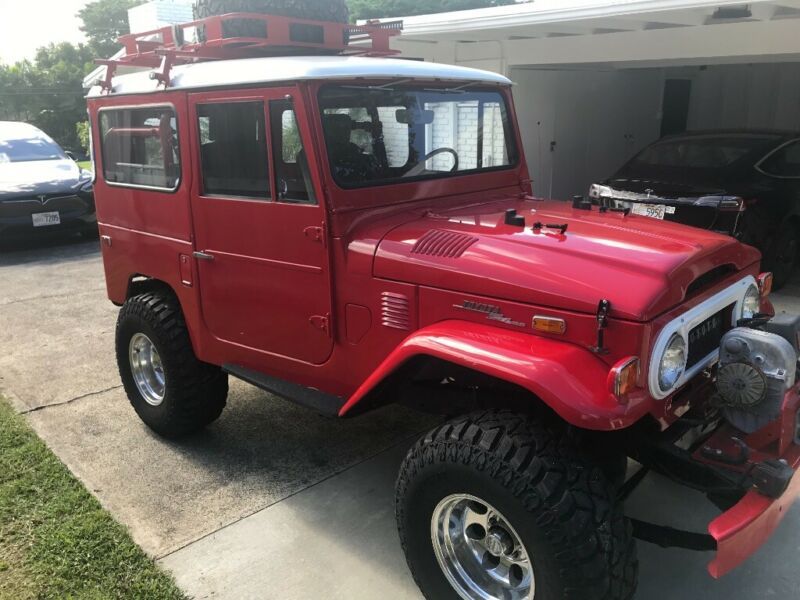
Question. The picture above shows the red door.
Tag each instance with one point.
(263, 268)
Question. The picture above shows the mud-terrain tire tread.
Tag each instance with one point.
(196, 392)
(533, 459)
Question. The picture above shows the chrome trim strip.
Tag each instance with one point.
(760, 169)
(36, 200)
(682, 325)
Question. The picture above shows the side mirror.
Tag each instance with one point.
(70, 155)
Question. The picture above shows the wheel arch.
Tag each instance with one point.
(537, 365)
(139, 283)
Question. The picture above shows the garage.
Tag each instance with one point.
(597, 81)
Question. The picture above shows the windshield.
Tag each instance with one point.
(701, 152)
(29, 149)
(378, 136)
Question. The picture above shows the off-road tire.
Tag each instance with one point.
(782, 255)
(195, 392)
(562, 506)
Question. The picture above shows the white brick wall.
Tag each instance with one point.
(455, 125)
(395, 136)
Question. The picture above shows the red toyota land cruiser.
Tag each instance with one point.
(347, 230)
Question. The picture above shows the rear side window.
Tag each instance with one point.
(140, 147)
(784, 163)
(233, 149)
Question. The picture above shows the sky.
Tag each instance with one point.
(26, 25)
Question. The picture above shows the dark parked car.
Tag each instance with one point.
(744, 183)
(41, 188)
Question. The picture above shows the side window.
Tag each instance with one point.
(233, 149)
(292, 173)
(785, 162)
(140, 147)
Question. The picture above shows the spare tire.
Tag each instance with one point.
(330, 10)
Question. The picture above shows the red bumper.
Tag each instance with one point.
(742, 530)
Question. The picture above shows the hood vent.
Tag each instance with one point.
(708, 279)
(394, 311)
(448, 244)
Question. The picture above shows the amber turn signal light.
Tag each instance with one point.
(624, 376)
(549, 324)
(765, 284)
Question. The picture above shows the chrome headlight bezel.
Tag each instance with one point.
(733, 296)
(673, 358)
(751, 303)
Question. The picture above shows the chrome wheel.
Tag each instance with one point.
(479, 551)
(146, 368)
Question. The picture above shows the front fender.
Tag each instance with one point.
(568, 378)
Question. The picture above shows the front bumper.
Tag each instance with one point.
(742, 529)
(76, 213)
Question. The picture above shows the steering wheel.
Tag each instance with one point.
(420, 166)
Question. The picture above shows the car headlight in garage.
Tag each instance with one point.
(672, 364)
(751, 303)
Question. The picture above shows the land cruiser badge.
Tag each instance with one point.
(492, 312)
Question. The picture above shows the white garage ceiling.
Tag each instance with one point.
(621, 33)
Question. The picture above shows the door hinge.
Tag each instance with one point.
(315, 233)
(321, 322)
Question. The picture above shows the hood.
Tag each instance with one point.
(642, 265)
(24, 179)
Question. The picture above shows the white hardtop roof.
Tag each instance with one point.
(225, 73)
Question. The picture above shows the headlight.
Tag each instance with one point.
(751, 305)
(673, 362)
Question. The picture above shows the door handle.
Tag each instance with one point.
(203, 256)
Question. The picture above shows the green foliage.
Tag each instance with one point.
(82, 131)
(372, 9)
(103, 22)
(56, 541)
(47, 91)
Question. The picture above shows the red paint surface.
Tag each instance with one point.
(744, 528)
(260, 303)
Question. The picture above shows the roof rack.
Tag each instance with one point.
(268, 35)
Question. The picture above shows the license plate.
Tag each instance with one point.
(46, 218)
(655, 211)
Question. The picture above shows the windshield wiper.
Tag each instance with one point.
(456, 90)
(386, 87)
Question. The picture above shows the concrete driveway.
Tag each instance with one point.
(271, 501)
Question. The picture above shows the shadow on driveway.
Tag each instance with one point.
(47, 250)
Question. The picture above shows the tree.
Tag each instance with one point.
(48, 91)
(83, 132)
(103, 22)
(372, 9)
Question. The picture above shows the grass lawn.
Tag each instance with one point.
(55, 539)
(85, 164)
